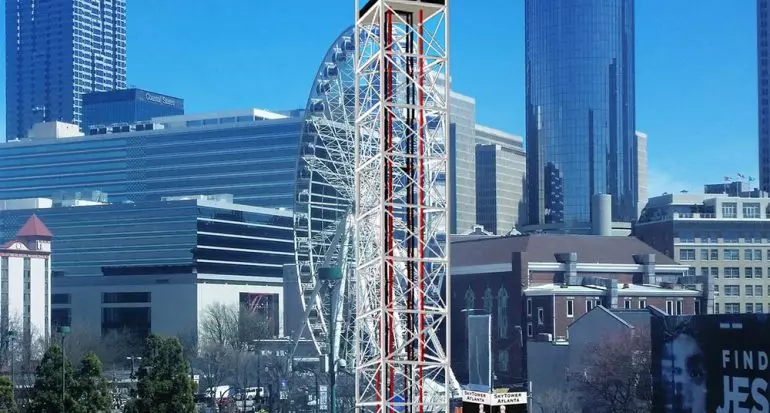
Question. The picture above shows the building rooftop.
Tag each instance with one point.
(543, 247)
(34, 228)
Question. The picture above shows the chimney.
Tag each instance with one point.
(611, 293)
(648, 261)
(601, 215)
(569, 259)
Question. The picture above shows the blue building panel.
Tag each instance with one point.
(580, 109)
(211, 237)
(127, 106)
(254, 161)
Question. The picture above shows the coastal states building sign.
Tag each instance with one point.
(711, 363)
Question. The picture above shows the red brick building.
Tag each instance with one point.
(538, 284)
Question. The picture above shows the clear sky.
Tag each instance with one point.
(695, 67)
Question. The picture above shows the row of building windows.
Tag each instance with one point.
(735, 308)
(730, 272)
(728, 254)
(734, 290)
(729, 237)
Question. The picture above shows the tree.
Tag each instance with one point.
(47, 391)
(555, 401)
(617, 377)
(92, 390)
(164, 384)
(7, 403)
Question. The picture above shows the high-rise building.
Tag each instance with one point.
(500, 165)
(580, 110)
(641, 171)
(127, 106)
(56, 51)
(763, 98)
(463, 151)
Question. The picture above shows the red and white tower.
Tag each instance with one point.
(401, 208)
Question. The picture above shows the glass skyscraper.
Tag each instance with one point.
(580, 109)
(57, 50)
(763, 96)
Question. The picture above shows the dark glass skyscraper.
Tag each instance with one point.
(763, 99)
(56, 50)
(580, 109)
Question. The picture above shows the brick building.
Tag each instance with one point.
(538, 284)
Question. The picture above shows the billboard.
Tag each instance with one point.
(480, 352)
(711, 363)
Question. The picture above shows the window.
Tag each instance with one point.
(749, 308)
(731, 238)
(715, 272)
(691, 271)
(748, 272)
(716, 289)
(704, 254)
(732, 308)
(125, 298)
(747, 254)
(60, 298)
(749, 290)
(729, 210)
(716, 308)
(488, 300)
(529, 307)
(697, 306)
(502, 360)
(757, 255)
(642, 303)
(502, 312)
(732, 290)
(470, 299)
(704, 270)
(732, 272)
(757, 272)
(732, 254)
(759, 308)
(627, 304)
(590, 304)
(570, 308)
(758, 290)
(751, 210)
(714, 254)
(687, 254)
(670, 307)
(529, 329)
(679, 307)
(540, 316)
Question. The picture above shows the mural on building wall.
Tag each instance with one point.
(266, 305)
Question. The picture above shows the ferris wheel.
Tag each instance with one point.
(323, 223)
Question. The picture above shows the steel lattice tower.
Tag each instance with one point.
(401, 209)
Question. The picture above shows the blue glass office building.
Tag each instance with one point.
(254, 160)
(580, 109)
(181, 236)
(57, 50)
(127, 106)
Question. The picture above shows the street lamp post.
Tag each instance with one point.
(63, 330)
(331, 276)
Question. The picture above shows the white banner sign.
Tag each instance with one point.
(323, 404)
(494, 399)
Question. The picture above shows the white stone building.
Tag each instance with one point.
(25, 282)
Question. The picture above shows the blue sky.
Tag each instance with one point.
(695, 66)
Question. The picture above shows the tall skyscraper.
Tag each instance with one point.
(580, 110)
(641, 172)
(57, 50)
(763, 77)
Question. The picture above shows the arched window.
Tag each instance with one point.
(488, 300)
(502, 312)
(470, 299)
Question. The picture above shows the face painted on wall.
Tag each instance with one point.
(687, 369)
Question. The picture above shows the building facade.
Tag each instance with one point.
(580, 109)
(763, 97)
(539, 284)
(55, 52)
(25, 283)
(250, 154)
(641, 172)
(718, 236)
(209, 236)
(463, 158)
(500, 167)
(127, 106)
